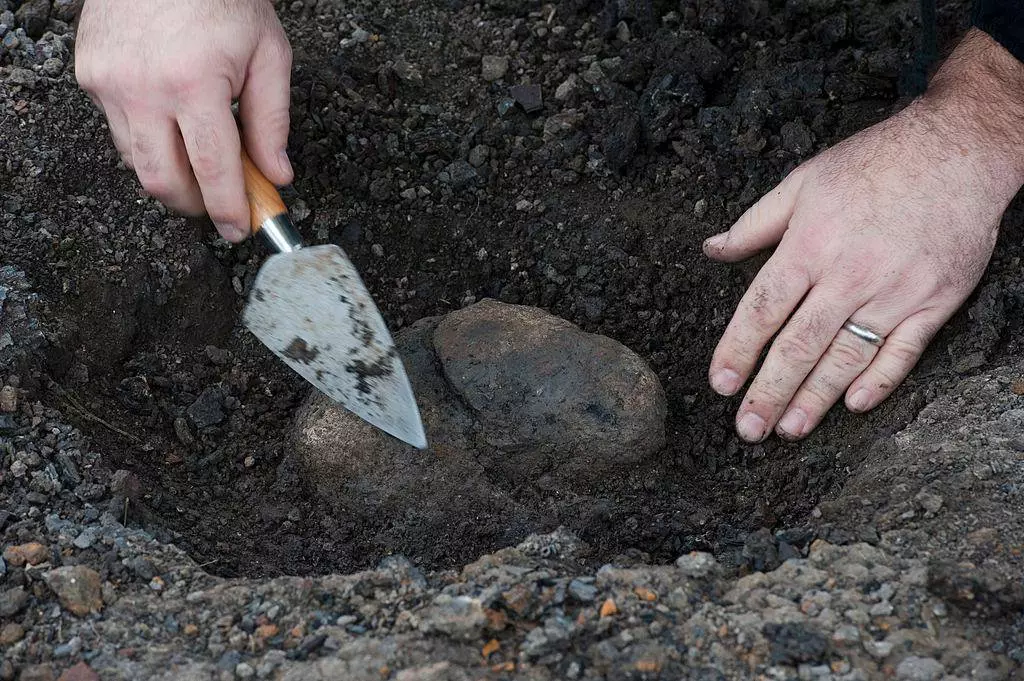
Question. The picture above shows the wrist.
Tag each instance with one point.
(977, 99)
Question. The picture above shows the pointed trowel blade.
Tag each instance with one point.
(311, 308)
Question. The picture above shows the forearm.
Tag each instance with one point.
(978, 94)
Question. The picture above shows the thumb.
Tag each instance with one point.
(761, 226)
(263, 107)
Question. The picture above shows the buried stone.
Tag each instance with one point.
(512, 398)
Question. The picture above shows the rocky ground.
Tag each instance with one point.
(568, 156)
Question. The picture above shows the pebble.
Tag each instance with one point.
(582, 591)
(207, 410)
(78, 588)
(915, 668)
(36, 672)
(80, 672)
(931, 503)
(85, 538)
(700, 208)
(23, 77)
(883, 609)
(878, 649)
(11, 634)
(567, 88)
(8, 399)
(13, 601)
(243, 670)
(493, 67)
(32, 553)
(697, 564)
(69, 649)
(478, 155)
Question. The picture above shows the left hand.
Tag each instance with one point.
(891, 229)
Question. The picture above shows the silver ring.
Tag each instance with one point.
(864, 333)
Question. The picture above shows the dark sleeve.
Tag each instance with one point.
(1004, 21)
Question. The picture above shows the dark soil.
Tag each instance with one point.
(712, 103)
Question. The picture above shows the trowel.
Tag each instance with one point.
(311, 308)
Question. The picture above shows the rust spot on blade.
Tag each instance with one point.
(364, 371)
(300, 351)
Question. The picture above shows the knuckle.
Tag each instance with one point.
(847, 354)
(794, 351)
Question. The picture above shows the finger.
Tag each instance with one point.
(794, 353)
(773, 295)
(161, 163)
(846, 358)
(214, 151)
(900, 353)
(120, 132)
(761, 226)
(263, 106)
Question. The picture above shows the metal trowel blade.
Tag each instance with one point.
(311, 308)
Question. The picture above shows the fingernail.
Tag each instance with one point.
(725, 382)
(230, 232)
(792, 425)
(286, 164)
(716, 241)
(859, 400)
(751, 427)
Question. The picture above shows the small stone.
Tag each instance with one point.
(459, 617)
(697, 564)
(377, 250)
(19, 468)
(478, 155)
(80, 672)
(915, 668)
(85, 538)
(23, 77)
(459, 173)
(622, 32)
(11, 634)
(360, 35)
(69, 649)
(182, 431)
(582, 591)
(931, 503)
(78, 588)
(13, 601)
(32, 553)
(8, 399)
(846, 634)
(796, 137)
(700, 208)
(408, 194)
(33, 16)
(878, 649)
(567, 88)
(244, 670)
(493, 67)
(217, 356)
(36, 672)
(608, 608)
(883, 609)
(190, 630)
(527, 96)
(207, 410)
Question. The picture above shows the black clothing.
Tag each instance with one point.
(1004, 21)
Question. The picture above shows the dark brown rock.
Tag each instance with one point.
(78, 588)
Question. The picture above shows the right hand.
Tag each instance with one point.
(165, 73)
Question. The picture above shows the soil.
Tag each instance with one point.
(600, 224)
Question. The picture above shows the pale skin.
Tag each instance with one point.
(892, 228)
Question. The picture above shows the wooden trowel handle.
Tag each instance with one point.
(268, 216)
(264, 200)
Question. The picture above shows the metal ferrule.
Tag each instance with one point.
(279, 234)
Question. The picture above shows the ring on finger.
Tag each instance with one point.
(864, 333)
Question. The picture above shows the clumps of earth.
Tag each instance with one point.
(524, 187)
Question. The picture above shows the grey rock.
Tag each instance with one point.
(207, 410)
(478, 156)
(85, 538)
(915, 668)
(797, 138)
(697, 564)
(584, 592)
(66, 10)
(493, 67)
(459, 617)
(878, 649)
(459, 174)
(567, 88)
(23, 77)
(13, 601)
(33, 15)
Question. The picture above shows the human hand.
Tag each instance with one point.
(890, 229)
(165, 74)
